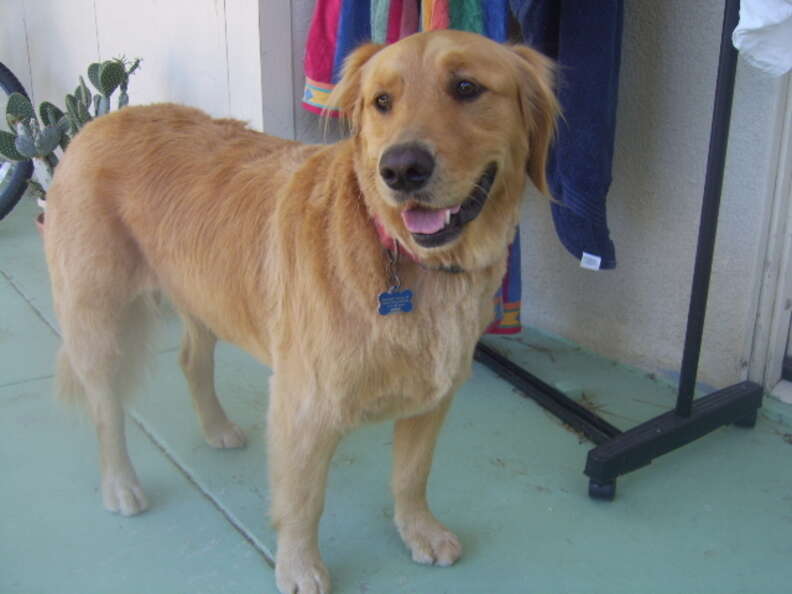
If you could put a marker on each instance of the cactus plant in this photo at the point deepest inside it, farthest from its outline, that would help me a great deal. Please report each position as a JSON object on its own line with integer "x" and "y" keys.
{"x": 108, "y": 76}
{"x": 71, "y": 113}
{"x": 37, "y": 137}
{"x": 49, "y": 114}
{"x": 83, "y": 111}
{"x": 8, "y": 147}
{"x": 93, "y": 73}
{"x": 46, "y": 140}
{"x": 111, "y": 74}
{"x": 25, "y": 140}
{"x": 83, "y": 93}
{"x": 34, "y": 142}
{"x": 18, "y": 109}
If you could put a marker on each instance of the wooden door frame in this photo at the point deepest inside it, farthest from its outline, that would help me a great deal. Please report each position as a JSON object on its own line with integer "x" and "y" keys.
{"x": 774, "y": 295}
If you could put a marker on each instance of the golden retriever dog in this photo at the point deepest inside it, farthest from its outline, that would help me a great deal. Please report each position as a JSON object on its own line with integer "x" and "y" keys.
{"x": 288, "y": 250}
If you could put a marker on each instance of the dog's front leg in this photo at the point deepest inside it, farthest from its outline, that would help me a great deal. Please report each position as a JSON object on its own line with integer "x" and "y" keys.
{"x": 300, "y": 446}
{"x": 413, "y": 446}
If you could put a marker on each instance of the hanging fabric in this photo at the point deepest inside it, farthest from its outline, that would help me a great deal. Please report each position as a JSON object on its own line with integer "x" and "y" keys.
{"x": 764, "y": 35}
{"x": 584, "y": 38}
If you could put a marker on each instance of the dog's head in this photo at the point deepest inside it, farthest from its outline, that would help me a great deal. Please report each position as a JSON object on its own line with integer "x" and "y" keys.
{"x": 446, "y": 126}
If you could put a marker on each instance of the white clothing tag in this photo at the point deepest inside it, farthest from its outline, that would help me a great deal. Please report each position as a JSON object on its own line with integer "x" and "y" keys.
{"x": 590, "y": 261}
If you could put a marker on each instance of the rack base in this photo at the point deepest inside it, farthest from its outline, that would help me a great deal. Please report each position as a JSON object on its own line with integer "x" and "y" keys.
{"x": 618, "y": 452}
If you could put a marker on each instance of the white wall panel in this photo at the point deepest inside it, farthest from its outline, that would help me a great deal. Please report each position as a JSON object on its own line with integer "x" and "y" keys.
{"x": 182, "y": 44}
{"x": 13, "y": 41}
{"x": 204, "y": 53}
{"x": 61, "y": 40}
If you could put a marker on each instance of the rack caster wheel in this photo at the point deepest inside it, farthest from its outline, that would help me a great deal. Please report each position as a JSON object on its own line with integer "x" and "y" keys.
{"x": 603, "y": 491}
{"x": 747, "y": 421}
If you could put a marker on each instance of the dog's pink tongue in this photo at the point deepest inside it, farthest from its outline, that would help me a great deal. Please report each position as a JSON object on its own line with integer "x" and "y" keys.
{"x": 420, "y": 220}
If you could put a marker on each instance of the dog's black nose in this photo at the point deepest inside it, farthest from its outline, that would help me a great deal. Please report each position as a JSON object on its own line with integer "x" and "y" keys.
{"x": 406, "y": 167}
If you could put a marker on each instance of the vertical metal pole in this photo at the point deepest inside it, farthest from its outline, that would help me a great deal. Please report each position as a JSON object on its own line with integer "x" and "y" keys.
{"x": 716, "y": 159}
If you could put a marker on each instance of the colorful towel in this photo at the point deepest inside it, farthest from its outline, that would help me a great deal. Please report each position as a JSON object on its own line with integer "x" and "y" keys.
{"x": 338, "y": 26}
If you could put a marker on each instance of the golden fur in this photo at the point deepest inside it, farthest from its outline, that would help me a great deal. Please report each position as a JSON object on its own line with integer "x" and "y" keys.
{"x": 269, "y": 244}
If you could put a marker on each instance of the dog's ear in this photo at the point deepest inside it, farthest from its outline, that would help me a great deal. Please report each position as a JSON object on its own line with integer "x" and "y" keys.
{"x": 346, "y": 96}
{"x": 540, "y": 108}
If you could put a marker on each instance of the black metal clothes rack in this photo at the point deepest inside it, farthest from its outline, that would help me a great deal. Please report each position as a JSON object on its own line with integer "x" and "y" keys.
{"x": 618, "y": 452}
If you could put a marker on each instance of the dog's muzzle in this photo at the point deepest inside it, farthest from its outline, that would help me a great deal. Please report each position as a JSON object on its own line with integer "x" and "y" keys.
{"x": 436, "y": 227}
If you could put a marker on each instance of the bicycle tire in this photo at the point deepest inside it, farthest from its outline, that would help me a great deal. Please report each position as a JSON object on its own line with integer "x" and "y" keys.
{"x": 23, "y": 170}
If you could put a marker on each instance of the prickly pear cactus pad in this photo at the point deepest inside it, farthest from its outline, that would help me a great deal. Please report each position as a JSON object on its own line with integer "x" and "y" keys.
{"x": 111, "y": 74}
{"x": 49, "y": 113}
{"x": 19, "y": 109}
{"x": 8, "y": 148}
{"x": 47, "y": 140}
{"x": 93, "y": 74}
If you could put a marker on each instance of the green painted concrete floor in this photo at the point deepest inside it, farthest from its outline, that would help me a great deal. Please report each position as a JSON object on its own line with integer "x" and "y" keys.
{"x": 714, "y": 517}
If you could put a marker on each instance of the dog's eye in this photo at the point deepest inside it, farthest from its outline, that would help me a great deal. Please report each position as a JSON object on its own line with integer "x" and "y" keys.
{"x": 383, "y": 102}
{"x": 466, "y": 90}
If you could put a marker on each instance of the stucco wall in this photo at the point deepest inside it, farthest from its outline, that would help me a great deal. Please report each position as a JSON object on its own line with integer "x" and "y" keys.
{"x": 200, "y": 52}
{"x": 637, "y": 313}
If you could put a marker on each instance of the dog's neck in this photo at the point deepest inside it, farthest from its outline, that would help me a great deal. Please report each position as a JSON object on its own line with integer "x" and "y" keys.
{"x": 392, "y": 244}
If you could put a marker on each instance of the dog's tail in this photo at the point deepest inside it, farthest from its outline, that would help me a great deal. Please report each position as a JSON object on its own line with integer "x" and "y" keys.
{"x": 120, "y": 353}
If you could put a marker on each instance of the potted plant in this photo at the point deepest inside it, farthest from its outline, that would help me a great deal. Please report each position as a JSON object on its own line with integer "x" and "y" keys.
{"x": 42, "y": 137}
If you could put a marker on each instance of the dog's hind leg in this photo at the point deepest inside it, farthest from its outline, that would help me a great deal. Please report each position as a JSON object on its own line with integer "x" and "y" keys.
{"x": 121, "y": 491}
{"x": 100, "y": 353}
{"x": 98, "y": 279}
{"x": 197, "y": 362}
{"x": 413, "y": 446}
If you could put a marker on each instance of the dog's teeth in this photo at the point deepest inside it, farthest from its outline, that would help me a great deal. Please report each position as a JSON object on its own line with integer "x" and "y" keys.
{"x": 447, "y": 216}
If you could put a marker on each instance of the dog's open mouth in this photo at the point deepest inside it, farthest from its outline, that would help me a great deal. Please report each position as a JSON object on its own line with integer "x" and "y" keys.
{"x": 435, "y": 227}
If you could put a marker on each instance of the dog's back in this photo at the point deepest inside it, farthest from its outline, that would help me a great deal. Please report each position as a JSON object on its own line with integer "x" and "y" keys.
{"x": 140, "y": 200}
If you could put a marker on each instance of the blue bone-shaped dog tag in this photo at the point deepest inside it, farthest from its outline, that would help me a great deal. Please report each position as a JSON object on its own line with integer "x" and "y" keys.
{"x": 394, "y": 302}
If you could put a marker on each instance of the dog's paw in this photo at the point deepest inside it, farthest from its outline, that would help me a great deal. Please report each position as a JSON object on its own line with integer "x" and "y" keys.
{"x": 301, "y": 574}
{"x": 123, "y": 495}
{"x": 429, "y": 541}
{"x": 228, "y": 435}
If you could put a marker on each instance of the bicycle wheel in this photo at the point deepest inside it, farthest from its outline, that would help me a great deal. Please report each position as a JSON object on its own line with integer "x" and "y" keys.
{"x": 13, "y": 174}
